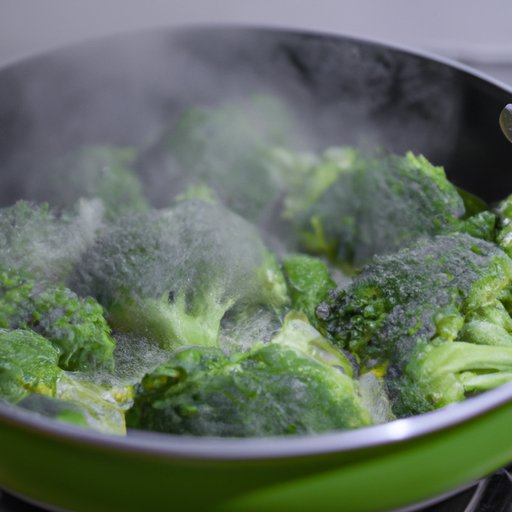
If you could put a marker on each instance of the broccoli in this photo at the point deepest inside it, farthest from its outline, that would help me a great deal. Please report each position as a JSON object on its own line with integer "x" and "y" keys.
{"x": 296, "y": 384}
{"x": 349, "y": 206}
{"x": 225, "y": 148}
{"x": 309, "y": 283}
{"x": 428, "y": 317}
{"x": 36, "y": 239}
{"x": 30, "y": 376}
{"x": 97, "y": 171}
{"x": 75, "y": 326}
{"x": 481, "y": 225}
{"x": 504, "y": 225}
{"x": 103, "y": 402}
{"x": 28, "y": 364}
{"x": 172, "y": 275}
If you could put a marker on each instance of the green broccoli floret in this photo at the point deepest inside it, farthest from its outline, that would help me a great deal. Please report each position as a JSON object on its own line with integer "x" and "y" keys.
{"x": 30, "y": 376}
{"x": 173, "y": 275}
{"x": 296, "y": 384}
{"x": 481, "y": 225}
{"x": 75, "y": 326}
{"x": 504, "y": 225}
{"x": 349, "y": 206}
{"x": 407, "y": 312}
{"x": 224, "y": 147}
{"x": 36, "y": 239}
{"x": 28, "y": 364}
{"x": 309, "y": 283}
{"x": 97, "y": 171}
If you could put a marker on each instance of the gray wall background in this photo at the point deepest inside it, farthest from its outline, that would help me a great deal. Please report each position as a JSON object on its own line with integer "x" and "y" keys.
{"x": 477, "y": 31}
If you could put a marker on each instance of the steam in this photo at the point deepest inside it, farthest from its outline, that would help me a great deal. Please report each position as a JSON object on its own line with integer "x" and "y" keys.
{"x": 127, "y": 91}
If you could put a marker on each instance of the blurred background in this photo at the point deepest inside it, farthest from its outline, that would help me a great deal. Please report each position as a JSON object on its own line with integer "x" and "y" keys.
{"x": 478, "y": 33}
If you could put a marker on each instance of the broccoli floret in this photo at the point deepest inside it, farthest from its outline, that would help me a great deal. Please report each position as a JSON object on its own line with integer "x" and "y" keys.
{"x": 407, "y": 311}
{"x": 172, "y": 275}
{"x": 98, "y": 171}
{"x": 28, "y": 364}
{"x": 349, "y": 206}
{"x": 504, "y": 225}
{"x": 309, "y": 283}
{"x": 36, "y": 239}
{"x": 30, "y": 376}
{"x": 296, "y": 384}
{"x": 224, "y": 147}
{"x": 75, "y": 326}
{"x": 481, "y": 225}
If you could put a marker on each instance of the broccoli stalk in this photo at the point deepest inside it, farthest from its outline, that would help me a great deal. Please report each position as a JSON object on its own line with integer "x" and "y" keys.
{"x": 451, "y": 371}
{"x": 170, "y": 321}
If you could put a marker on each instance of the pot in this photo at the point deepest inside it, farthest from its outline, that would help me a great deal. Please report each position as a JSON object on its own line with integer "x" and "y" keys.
{"x": 123, "y": 90}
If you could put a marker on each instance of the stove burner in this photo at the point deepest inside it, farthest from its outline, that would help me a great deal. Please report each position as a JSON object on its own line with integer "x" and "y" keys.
{"x": 492, "y": 494}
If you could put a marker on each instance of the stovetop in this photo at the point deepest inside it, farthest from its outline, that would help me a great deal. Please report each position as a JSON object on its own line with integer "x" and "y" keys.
{"x": 492, "y": 494}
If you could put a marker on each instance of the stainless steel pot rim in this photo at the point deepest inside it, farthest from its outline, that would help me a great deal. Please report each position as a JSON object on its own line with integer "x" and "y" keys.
{"x": 208, "y": 448}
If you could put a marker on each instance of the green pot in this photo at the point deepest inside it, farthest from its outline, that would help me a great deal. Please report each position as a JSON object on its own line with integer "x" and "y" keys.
{"x": 349, "y": 90}
{"x": 371, "y": 469}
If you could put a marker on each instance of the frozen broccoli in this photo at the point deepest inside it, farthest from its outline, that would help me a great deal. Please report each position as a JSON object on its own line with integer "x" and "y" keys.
{"x": 75, "y": 326}
{"x": 28, "y": 364}
{"x": 225, "y": 148}
{"x": 431, "y": 318}
{"x": 103, "y": 172}
{"x": 349, "y": 206}
{"x": 173, "y": 275}
{"x": 309, "y": 283}
{"x": 296, "y": 384}
{"x": 30, "y": 376}
{"x": 504, "y": 225}
{"x": 481, "y": 225}
{"x": 36, "y": 239}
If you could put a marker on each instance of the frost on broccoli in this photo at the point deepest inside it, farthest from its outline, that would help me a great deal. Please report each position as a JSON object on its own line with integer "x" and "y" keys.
{"x": 296, "y": 384}
{"x": 28, "y": 364}
{"x": 504, "y": 225}
{"x": 75, "y": 326}
{"x": 30, "y": 376}
{"x": 225, "y": 148}
{"x": 349, "y": 206}
{"x": 172, "y": 275}
{"x": 102, "y": 172}
{"x": 431, "y": 318}
{"x": 35, "y": 238}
